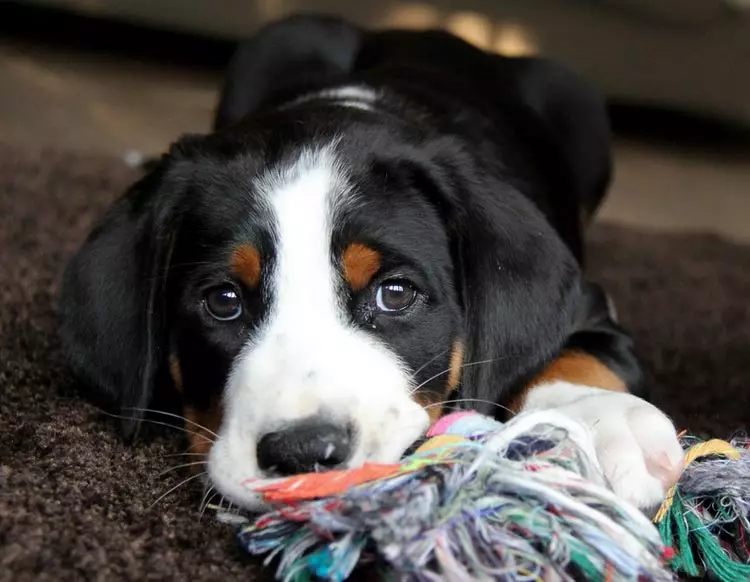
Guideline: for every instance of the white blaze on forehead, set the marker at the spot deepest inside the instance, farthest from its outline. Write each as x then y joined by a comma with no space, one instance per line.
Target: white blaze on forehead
309,358
304,199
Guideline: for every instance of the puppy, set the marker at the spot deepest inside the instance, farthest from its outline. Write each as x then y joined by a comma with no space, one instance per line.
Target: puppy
383,226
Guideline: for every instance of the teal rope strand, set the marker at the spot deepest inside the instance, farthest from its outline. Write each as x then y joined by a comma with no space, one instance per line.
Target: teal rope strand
683,529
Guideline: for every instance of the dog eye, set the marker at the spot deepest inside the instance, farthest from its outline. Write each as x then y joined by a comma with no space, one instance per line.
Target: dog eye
395,295
223,302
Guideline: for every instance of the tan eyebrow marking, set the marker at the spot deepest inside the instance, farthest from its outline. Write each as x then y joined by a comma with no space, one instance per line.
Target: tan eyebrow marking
246,265
360,264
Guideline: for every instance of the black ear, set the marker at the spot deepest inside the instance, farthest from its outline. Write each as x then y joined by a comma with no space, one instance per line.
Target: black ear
521,277
573,121
294,54
112,312
520,287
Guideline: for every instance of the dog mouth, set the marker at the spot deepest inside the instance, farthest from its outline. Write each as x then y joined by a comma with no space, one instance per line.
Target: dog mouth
244,458
245,489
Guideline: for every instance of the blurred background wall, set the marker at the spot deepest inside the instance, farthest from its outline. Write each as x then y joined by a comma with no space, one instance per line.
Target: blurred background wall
687,53
126,77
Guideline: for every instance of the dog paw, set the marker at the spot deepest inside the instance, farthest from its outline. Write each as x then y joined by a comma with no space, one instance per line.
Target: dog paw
636,444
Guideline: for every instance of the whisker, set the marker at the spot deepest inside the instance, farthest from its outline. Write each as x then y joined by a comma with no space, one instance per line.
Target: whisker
183,455
193,445
459,400
180,484
182,466
208,430
428,362
207,498
446,371
207,491
454,408
179,428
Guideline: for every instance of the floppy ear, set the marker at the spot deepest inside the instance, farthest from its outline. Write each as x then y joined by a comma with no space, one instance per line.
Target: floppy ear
294,54
521,282
112,312
520,288
573,118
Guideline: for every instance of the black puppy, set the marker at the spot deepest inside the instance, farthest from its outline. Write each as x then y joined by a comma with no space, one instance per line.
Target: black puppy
381,223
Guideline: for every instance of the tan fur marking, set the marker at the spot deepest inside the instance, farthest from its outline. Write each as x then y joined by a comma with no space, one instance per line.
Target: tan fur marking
457,360
429,400
574,367
175,371
360,264
200,438
245,264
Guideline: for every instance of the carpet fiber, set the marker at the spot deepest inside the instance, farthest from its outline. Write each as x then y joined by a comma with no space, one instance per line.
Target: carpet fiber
76,504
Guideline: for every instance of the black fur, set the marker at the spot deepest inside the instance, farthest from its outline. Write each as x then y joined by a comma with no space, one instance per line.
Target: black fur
476,175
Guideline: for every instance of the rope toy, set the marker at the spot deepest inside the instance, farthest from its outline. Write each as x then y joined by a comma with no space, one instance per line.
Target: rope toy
522,501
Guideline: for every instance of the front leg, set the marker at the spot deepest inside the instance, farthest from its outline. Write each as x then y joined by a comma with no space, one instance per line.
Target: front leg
593,381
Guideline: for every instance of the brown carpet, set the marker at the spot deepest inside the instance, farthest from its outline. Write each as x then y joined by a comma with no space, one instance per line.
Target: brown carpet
75,504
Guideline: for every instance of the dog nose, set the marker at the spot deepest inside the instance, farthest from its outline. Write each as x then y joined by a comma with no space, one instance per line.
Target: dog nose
307,446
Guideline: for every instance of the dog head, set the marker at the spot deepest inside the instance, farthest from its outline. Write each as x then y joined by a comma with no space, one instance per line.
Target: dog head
317,281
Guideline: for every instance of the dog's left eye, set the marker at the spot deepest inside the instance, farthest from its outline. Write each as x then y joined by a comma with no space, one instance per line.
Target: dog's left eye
395,295
223,302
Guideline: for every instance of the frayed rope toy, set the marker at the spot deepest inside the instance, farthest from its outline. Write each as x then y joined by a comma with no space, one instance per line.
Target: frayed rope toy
481,500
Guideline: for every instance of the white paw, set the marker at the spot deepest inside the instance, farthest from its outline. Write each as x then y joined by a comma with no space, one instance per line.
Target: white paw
635,442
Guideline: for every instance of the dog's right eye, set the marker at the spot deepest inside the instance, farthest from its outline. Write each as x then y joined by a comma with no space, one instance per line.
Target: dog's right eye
223,302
